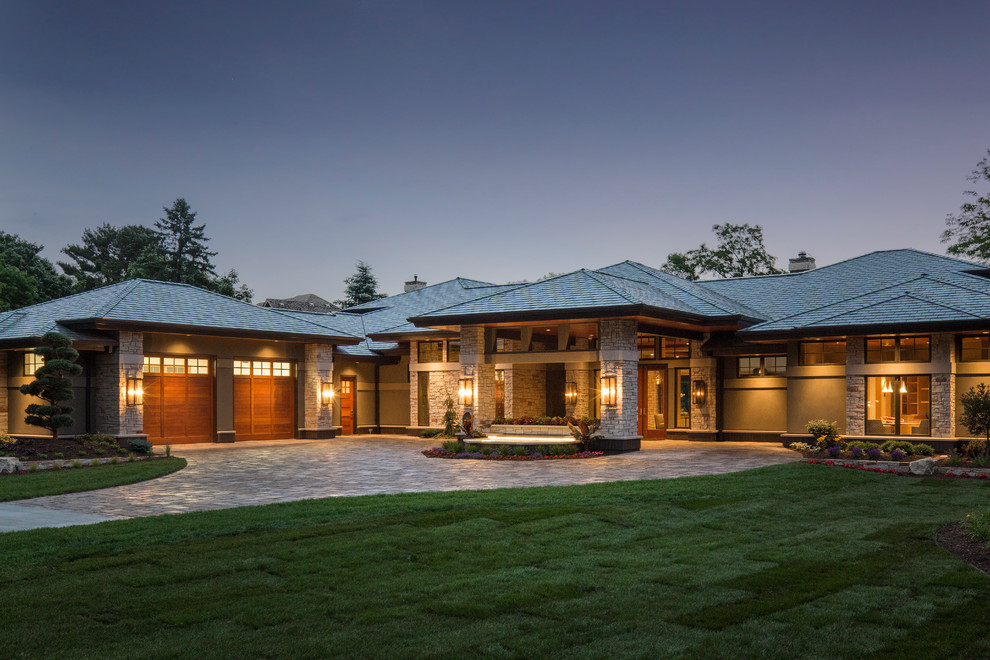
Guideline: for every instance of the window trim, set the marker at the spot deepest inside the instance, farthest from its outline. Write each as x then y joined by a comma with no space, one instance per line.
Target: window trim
897,349
821,342
896,407
30,356
959,347
419,351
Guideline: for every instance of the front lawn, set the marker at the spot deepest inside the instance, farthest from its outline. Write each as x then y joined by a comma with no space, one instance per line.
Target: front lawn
73,480
792,560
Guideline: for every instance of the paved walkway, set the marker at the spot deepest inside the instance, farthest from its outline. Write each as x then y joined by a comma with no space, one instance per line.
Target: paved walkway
223,476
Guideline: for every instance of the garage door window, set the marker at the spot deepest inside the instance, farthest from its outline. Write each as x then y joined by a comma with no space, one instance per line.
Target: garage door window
281,369
152,365
242,368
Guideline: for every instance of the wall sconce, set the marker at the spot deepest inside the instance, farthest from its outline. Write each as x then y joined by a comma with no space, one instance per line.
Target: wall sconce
699,392
326,393
466,391
570,391
609,387
134,392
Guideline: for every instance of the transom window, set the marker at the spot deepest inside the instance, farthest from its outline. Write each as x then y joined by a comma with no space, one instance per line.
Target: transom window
972,349
261,368
453,350
242,368
32,362
823,352
198,365
647,347
430,351
898,349
762,365
675,347
154,364
174,365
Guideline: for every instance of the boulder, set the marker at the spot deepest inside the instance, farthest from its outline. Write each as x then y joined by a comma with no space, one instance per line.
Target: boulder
922,466
9,465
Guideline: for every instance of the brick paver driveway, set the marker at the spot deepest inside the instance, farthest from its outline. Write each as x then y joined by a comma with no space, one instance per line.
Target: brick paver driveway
222,476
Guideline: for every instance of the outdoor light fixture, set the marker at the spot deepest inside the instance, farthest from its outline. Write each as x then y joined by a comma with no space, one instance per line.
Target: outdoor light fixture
570,391
466,391
326,392
699,392
135,394
609,388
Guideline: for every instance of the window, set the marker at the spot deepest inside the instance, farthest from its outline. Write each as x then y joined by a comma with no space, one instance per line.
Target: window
823,352
544,339
242,368
32,362
500,393
261,368
683,379
675,347
281,369
198,365
769,365
972,349
898,349
453,350
152,365
647,347
174,365
898,405
430,351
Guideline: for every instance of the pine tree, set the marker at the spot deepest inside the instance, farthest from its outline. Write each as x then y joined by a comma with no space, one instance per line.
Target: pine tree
362,287
51,383
109,254
184,257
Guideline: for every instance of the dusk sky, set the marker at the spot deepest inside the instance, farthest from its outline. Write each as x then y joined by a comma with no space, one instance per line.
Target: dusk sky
491,140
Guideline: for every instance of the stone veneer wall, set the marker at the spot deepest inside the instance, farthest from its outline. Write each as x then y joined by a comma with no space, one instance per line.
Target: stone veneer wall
943,392
703,368
111,370
620,358
4,420
580,375
318,368
442,385
482,375
507,389
529,390
855,387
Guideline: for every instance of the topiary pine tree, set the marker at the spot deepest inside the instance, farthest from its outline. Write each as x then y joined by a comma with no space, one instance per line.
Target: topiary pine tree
51,383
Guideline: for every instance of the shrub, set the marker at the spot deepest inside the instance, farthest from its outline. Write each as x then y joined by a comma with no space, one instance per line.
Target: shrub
33,468
975,447
6,439
826,433
570,450
130,458
140,446
82,452
56,466
922,450
96,439
981,461
873,453
978,525
76,463
891,445
864,445
59,454
897,454
955,459
834,451
799,446
857,452
486,451
430,433
42,456
99,452
450,420
168,451
504,450
114,460
453,446
520,451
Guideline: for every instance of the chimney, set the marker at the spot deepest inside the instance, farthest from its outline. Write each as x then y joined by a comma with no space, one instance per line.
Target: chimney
802,263
415,283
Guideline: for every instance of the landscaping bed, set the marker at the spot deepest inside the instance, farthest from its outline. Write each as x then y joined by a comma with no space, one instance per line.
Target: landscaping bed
92,445
456,449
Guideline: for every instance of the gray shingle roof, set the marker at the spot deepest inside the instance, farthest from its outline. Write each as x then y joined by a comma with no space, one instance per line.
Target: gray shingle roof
154,303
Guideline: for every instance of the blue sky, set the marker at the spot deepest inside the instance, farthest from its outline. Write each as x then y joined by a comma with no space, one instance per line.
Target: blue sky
492,140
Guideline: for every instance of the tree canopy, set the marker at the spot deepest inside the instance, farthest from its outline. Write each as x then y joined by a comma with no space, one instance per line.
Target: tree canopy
362,287
976,412
970,227
740,252
183,255
26,277
109,255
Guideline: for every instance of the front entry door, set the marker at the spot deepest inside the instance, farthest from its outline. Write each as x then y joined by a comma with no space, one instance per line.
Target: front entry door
347,412
653,401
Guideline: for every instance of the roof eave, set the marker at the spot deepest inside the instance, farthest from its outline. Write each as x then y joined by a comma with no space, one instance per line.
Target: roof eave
866,329
210,331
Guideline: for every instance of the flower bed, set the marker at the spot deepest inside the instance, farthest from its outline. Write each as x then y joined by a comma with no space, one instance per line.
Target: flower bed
901,469
543,421
440,452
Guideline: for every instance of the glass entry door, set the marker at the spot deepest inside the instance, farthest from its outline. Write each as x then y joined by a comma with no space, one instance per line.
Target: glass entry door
653,401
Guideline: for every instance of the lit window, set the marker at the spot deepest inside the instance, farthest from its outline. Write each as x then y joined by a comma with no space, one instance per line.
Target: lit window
152,365
242,368
972,349
898,349
674,347
453,350
198,365
32,362
261,368
775,365
823,352
898,405
430,351
174,365
770,365
647,347
281,369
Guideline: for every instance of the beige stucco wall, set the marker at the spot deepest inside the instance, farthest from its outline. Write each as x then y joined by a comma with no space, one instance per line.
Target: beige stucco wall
815,398
17,402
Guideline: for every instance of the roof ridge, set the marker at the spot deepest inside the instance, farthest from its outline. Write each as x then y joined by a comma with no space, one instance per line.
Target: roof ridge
896,296
722,299
284,312
612,288
108,307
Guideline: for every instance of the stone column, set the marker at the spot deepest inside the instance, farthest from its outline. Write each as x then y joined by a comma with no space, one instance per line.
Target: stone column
508,390
414,387
704,368
620,358
482,375
111,371
943,423
318,369
855,387
580,376
4,419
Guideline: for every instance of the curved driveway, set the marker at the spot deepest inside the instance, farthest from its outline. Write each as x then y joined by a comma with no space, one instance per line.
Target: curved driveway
223,476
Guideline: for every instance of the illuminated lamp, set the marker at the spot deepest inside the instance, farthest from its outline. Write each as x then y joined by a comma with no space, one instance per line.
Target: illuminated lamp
699,392
570,391
326,393
609,390
466,391
134,392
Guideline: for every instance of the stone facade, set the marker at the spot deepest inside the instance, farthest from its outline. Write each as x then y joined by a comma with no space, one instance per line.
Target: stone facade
943,392
704,368
855,387
4,419
529,390
481,374
620,358
112,415
580,375
317,369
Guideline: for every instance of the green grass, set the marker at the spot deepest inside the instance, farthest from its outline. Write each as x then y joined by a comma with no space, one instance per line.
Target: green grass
73,480
792,561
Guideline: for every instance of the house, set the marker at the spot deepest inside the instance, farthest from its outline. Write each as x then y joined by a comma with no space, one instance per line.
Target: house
307,302
884,344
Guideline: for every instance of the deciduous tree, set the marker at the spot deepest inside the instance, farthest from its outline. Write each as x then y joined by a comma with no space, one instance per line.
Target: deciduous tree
970,228
26,277
109,255
976,413
740,252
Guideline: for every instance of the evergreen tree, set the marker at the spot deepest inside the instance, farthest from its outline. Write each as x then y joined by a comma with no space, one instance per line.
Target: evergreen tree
109,255
51,383
26,277
184,256
362,287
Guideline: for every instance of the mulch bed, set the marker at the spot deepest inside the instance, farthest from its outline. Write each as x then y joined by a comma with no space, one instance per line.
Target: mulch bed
953,538
28,449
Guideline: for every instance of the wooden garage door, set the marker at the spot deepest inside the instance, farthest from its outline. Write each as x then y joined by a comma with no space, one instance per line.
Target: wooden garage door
178,399
264,400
